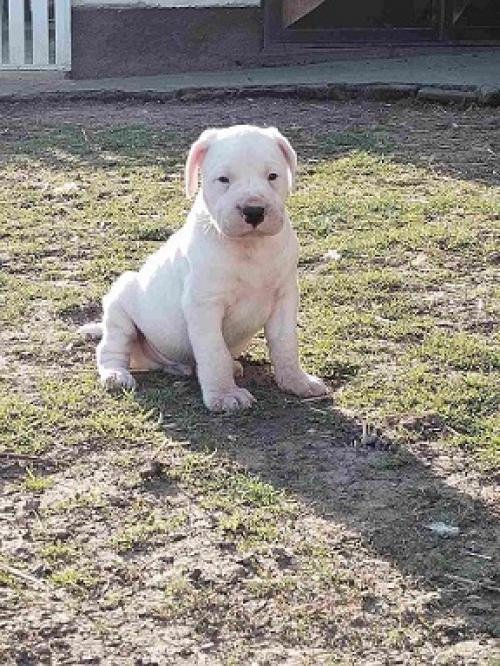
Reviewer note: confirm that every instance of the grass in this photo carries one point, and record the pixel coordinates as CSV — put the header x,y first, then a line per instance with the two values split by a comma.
x,y
58,552
144,529
399,284
79,502
37,483
74,579
97,202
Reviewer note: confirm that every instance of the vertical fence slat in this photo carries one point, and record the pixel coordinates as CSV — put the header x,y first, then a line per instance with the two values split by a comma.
x,y
63,32
14,50
40,22
1,31
16,32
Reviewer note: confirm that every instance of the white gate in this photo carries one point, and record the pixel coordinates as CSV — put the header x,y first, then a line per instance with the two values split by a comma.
x,y
35,34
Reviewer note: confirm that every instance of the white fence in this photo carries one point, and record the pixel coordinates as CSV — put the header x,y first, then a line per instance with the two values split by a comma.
x,y
35,34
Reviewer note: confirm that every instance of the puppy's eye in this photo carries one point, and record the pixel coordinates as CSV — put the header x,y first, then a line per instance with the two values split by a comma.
x,y
272,176
223,179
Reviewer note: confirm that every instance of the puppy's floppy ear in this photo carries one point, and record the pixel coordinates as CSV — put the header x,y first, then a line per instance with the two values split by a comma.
x,y
195,158
288,152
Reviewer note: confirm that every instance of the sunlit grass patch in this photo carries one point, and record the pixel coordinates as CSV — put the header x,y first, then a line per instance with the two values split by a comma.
x,y
73,410
250,528
37,483
83,204
462,351
77,502
465,404
146,527
58,552
297,530
80,581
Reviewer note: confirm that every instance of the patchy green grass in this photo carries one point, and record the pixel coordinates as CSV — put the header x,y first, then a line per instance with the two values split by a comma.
x,y
35,483
146,527
412,248
268,523
74,579
79,502
70,407
58,552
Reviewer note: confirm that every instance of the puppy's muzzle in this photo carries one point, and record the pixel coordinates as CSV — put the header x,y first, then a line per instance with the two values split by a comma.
x,y
253,215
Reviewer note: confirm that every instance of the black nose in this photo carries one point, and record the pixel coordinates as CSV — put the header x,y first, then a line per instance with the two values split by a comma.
x,y
253,214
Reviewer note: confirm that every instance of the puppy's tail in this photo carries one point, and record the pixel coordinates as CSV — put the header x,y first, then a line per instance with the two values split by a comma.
x,y
91,331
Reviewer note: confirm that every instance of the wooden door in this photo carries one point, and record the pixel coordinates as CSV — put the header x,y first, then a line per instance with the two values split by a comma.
x,y
338,22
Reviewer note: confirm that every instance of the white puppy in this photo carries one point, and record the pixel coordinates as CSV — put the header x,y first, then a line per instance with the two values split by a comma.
x,y
230,271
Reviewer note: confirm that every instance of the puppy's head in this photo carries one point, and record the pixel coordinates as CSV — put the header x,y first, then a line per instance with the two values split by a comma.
x,y
247,173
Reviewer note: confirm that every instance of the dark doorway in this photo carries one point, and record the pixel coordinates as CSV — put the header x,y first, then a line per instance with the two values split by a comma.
x,y
341,22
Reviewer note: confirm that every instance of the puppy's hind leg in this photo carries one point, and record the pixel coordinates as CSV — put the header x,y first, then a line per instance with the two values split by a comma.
x,y
119,335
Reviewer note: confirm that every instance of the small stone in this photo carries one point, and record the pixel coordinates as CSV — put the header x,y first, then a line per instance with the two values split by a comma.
x,y
443,530
178,536
284,559
32,504
60,534
494,258
195,575
44,649
168,559
238,573
152,470
249,562
331,255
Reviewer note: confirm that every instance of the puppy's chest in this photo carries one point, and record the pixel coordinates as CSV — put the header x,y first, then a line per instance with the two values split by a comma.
x,y
252,297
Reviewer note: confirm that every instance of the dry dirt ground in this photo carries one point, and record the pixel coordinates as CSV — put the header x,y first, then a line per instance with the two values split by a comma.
x,y
139,529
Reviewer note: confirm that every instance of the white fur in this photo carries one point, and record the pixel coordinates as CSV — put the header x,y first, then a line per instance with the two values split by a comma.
x,y
203,295
91,331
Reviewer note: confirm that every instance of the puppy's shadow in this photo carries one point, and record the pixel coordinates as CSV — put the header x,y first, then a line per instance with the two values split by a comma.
x,y
384,491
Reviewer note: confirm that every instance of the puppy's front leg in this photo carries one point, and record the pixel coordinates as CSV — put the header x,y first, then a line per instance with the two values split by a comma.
x,y
281,335
213,360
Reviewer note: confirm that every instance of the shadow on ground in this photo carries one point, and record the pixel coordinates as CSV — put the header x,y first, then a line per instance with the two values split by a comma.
x,y
385,492
462,143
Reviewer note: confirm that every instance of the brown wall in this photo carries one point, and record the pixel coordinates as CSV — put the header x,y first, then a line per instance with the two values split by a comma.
x,y
134,42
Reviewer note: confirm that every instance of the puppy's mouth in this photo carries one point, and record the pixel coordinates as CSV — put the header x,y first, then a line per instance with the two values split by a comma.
x,y
240,228
248,220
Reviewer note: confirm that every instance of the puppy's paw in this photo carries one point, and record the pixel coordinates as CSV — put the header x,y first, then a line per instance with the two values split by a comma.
x,y
237,369
232,400
302,384
115,380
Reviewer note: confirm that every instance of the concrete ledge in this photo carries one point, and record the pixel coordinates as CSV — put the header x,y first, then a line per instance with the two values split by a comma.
x,y
448,96
489,96
329,91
